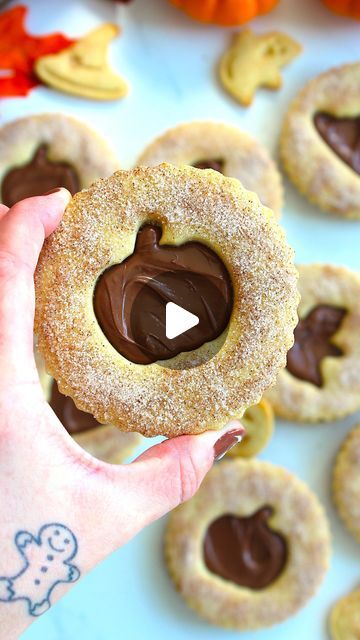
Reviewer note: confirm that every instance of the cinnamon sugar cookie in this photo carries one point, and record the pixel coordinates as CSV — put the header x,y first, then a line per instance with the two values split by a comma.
x,y
258,421
346,482
320,141
250,548
344,621
224,148
322,379
102,441
39,153
136,242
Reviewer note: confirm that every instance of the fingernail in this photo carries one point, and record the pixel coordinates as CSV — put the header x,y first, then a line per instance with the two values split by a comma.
x,y
48,193
227,442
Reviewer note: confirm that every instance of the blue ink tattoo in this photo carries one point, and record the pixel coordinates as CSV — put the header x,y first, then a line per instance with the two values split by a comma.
x,y
47,559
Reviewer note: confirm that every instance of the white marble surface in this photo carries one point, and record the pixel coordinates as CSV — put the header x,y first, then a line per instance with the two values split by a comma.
x,y
170,63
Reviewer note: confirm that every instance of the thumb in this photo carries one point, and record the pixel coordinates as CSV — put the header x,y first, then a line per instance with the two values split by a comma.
x,y
164,476
23,229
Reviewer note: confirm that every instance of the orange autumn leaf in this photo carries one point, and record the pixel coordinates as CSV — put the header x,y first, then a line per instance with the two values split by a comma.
x,y
19,50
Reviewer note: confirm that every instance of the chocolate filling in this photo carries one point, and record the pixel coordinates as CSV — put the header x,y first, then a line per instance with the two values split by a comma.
x,y
313,343
130,298
216,165
245,550
37,177
73,419
342,135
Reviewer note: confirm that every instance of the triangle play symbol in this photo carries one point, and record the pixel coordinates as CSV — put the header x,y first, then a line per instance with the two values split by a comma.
x,y
178,320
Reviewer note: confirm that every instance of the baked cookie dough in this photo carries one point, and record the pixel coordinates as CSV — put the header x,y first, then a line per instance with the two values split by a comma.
x,y
253,61
344,621
250,548
83,68
322,379
41,152
346,482
320,141
104,442
258,421
204,243
224,148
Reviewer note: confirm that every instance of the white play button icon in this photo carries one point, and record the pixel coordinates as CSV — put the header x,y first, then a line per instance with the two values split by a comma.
x,y
178,320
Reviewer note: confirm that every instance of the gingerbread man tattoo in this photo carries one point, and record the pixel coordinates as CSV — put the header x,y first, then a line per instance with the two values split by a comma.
x,y
47,563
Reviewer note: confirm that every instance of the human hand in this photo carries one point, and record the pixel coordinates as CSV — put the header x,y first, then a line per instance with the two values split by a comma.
x,y
61,510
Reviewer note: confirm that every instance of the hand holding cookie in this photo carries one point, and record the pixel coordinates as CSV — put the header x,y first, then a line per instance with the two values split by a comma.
x,y
86,508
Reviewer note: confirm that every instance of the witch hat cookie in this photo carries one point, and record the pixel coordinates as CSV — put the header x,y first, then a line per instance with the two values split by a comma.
x,y
83,68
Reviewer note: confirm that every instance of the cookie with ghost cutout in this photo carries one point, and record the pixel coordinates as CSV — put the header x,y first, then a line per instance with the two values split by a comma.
x,y
320,141
103,441
250,548
321,381
223,148
39,153
346,482
46,562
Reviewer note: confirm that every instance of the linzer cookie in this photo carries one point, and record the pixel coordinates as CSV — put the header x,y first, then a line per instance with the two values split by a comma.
x,y
321,381
223,148
250,548
258,422
344,620
127,248
320,141
103,441
42,152
346,482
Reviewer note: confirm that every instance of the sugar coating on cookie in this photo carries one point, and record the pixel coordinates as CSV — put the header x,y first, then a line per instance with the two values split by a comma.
x,y
224,148
196,390
320,140
346,482
322,379
63,148
261,567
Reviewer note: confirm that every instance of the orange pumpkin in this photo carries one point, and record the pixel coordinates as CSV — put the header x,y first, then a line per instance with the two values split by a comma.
x,y
349,8
224,12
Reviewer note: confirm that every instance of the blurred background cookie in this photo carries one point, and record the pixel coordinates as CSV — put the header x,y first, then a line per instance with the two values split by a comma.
x,y
253,61
258,421
344,620
321,381
41,152
105,442
320,140
83,69
224,148
346,482
250,548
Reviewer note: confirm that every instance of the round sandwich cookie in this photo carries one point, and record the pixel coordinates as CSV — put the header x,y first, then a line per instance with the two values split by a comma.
x,y
42,152
346,482
344,620
223,148
250,548
258,422
104,442
321,381
165,300
320,141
